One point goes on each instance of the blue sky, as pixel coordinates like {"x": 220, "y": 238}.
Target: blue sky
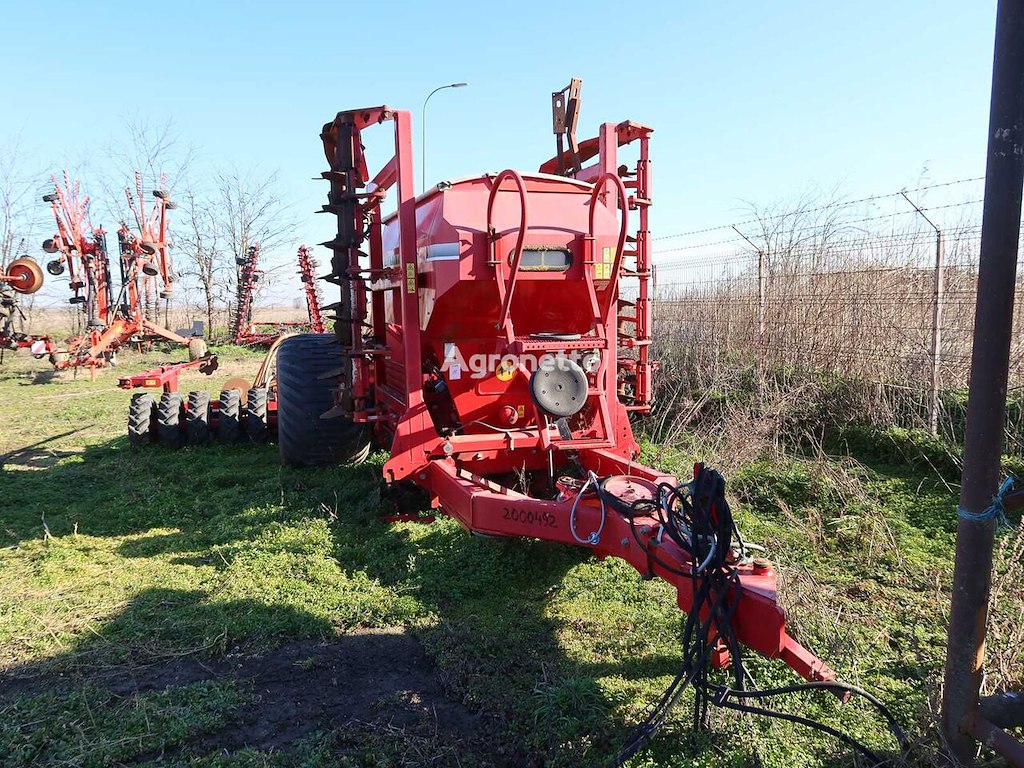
{"x": 749, "y": 101}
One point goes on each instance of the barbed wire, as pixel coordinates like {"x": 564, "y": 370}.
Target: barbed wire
{"x": 830, "y": 206}
{"x": 814, "y": 227}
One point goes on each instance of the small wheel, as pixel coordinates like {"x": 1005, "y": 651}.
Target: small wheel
{"x": 197, "y": 418}
{"x": 140, "y": 419}
{"x": 256, "y": 425}
{"x": 25, "y": 275}
{"x": 168, "y": 420}
{"x": 229, "y": 417}
{"x": 197, "y": 348}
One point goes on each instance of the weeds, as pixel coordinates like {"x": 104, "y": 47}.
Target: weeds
{"x": 201, "y": 559}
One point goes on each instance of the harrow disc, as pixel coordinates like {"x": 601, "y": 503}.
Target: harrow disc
{"x": 25, "y": 275}
{"x": 561, "y": 389}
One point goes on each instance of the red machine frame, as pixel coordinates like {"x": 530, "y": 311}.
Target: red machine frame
{"x": 144, "y": 256}
{"x": 385, "y": 371}
{"x": 249, "y": 333}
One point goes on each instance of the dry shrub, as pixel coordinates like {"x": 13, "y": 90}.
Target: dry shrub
{"x": 1004, "y": 664}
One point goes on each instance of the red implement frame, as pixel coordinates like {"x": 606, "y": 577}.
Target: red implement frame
{"x": 144, "y": 258}
{"x": 81, "y": 250}
{"x": 389, "y": 355}
{"x": 21, "y": 276}
{"x": 165, "y": 377}
{"x": 249, "y": 333}
{"x": 307, "y": 273}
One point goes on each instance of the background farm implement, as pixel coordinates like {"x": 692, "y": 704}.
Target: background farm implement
{"x": 242, "y": 411}
{"x": 247, "y": 332}
{"x": 129, "y": 317}
{"x": 21, "y": 277}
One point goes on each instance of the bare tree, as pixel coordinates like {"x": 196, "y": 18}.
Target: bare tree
{"x": 251, "y": 211}
{"x": 200, "y": 244}
{"x": 156, "y": 151}
{"x": 17, "y": 219}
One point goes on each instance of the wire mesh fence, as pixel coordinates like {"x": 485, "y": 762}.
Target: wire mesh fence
{"x": 887, "y": 299}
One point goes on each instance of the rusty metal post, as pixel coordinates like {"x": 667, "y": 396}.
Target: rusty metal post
{"x": 972, "y": 576}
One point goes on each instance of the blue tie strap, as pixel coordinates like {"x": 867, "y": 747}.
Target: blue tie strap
{"x": 994, "y": 511}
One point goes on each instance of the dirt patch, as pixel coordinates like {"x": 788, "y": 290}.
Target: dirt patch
{"x": 301, "y": 688}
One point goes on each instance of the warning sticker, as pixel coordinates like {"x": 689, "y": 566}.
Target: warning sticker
{"x": 603, "y": 268}
{"x": 410, "y": 278}
{"x": 505, "y": 371}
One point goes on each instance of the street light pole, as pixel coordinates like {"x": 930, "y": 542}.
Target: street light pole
{"x": 423, "y": 128}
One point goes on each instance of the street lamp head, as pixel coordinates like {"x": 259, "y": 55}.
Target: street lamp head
{"x": 423, "y": 125}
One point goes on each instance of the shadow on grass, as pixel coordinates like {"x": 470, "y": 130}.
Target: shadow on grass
{"x": 316, "y": 566}
{"x": 36, "y": 455}
{"x": 208, "y": 702}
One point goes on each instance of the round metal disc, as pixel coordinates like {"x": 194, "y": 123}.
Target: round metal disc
{"x": 622, "y": 491}
{"x": 559, "y": 389}
{"x": 242, "y": 385}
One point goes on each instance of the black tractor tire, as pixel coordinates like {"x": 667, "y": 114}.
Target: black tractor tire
{"x": 197, "y": 418}
{"x": 304, "y": 439}
{"x": 197, "y": 348}
{"x": 229, "y": 417}
{"x": 257, "y": 427}
{"x": 168, "y": 421}
{"x": 140, "y": 419}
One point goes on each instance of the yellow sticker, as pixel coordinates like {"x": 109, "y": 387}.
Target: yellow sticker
{"x": 410, "y": 278}
{"x": 603, "y": 269}
{"x": 505, "y": 371}
{"x": 521, "y": 411}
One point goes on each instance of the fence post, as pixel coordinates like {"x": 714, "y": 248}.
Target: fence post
{"x": 761, "y": 286}
{"x": 936, "y": 343}
{"x": 986, "y": 404}
{"x": 937, "y": 298}
{"x": 762, "y": 278}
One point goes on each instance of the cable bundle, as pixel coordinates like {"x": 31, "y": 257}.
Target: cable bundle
{"x": 697, "y": 518}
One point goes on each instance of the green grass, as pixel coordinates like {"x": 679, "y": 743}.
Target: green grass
{"x": 205, "y": 555}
